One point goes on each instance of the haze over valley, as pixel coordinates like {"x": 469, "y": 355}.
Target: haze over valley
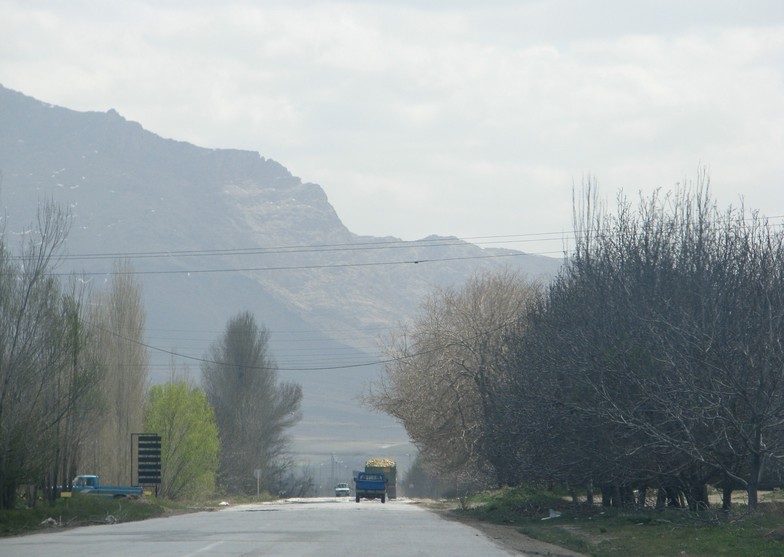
{"x": 212, "y": 232}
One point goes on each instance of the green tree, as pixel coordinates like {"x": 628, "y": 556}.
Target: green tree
{"x": 181, "y": 415}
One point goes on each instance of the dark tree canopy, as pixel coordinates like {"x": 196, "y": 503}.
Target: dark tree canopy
{"x": 653, "y": 363}
{"x": 661, "y": 343}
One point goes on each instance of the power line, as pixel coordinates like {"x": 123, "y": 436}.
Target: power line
{"x": 377, "y": 245}
{"x": 375, "y": 362}
{"x": 209, "y": 361}
{"x": 361, "y": 245}
{"x": 320, "y": 248}
{"x": 297, "y": 267}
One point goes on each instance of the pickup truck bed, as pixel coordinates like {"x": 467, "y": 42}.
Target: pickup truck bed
{"x": 90, "y": 484}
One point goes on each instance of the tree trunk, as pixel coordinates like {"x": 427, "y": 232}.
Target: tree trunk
{"x": 8, "y": 496}
{"x": 589, "y": 494}
{"x": 661, "y": 499}
{"x": 642, "y": 497}
{"x": 606, "y": 496}
{"x": 726, "y": 495}
{"x": 753, "y": 487}
{"x": 697, "y": 497}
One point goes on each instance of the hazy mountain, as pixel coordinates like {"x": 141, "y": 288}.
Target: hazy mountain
{"x": 212, "y": 232}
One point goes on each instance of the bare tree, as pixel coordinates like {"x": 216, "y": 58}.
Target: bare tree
{"x": 444, "y": 382}
{"x": 661, "y": 338}
{"x": 117, "y": 323}
{"x": 253, "y": 409}
{"x": 72, "y": 391}
{"x": 42, "y": 383}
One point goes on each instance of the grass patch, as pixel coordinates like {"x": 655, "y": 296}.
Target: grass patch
{"x": 602, "y": 532}
{"x": 83, "y": 510}
{"x": 79, "y": 510}
{"x": 508, "y": 505}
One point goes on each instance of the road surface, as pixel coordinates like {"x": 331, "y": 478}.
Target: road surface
{"x": 294, "y": 528}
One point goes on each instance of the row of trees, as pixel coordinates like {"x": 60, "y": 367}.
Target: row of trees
{"x": 216, "y": 436}
{"x": 74, "y": 386}
{"x": 51, "y": 369}
{"x": 654, "y": 361}
{"x": 445, "y": 374}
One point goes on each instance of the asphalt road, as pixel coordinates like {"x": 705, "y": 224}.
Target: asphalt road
{"x": 295, "y": 528}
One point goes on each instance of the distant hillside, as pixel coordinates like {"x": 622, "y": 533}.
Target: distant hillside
{"x": 212, "y": 232}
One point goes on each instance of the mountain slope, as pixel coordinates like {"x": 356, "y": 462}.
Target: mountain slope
{"x": 218, "y": 231}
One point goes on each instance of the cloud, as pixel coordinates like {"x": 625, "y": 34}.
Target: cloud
{"x": 471, "y": 119}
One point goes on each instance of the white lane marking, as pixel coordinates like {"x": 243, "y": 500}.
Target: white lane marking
{"x": 203, "y": 549}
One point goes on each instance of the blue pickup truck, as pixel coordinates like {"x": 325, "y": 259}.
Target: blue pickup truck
{"x": 92, "y": 485}
{"x": 370, "y": 486}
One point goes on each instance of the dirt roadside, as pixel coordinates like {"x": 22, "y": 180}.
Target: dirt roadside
{"x": 506, "y": 536}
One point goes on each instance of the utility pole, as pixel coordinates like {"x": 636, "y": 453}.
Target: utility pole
{"x": 257, "y": 475}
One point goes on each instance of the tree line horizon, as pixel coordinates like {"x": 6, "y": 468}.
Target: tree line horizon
{"x": 69, "y": 405}
{"x": 650, "y": 369}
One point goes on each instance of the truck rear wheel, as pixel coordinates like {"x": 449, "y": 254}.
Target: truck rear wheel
{"x": 383, "y": 497}
{"x": 357, "y": 498}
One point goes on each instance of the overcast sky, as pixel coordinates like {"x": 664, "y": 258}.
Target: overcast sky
{"x": 465, "y": 118}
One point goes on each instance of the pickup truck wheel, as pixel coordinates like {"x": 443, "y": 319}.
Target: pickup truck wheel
{"x": 384, "y": 498}
{"x": 357, "y": 498}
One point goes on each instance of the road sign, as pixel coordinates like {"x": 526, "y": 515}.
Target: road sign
{"x": 148, "y": 458}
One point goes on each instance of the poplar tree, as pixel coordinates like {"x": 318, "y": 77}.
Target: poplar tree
{"x": 117, "y": 323}
{"x": 253, "y": 409}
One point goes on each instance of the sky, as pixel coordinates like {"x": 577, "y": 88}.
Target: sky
{"x": 459, "y": 118}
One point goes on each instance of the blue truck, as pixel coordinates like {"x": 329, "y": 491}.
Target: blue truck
{"x": 380, "y": 465}
{"x": 370, "y": 486}
{"x": 92, "y": 485}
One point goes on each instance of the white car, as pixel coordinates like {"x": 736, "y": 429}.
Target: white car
{"x": 342, "y": 490}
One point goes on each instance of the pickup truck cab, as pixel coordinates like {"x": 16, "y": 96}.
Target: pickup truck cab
{"x": 370, "y": 486}
{"x": 91, "y": 484}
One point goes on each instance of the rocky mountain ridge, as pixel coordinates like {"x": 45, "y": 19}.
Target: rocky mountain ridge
{"x": 212, "y": 232}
